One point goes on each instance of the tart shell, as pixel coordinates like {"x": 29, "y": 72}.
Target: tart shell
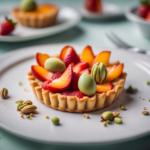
{"x": 73, "y": 103}
{"x": 36, "y": 20}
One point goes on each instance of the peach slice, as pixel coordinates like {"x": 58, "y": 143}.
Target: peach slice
{"x": 87, "y": 55}
{"x": 104, "y": 87}
{"x": 63, "y": 52}
{"x": 41, "y": 58}
{"x": 109, "y": 68}
{"x": 87, "y": 70}
{"x": 102, "y": 57}
{"x": 115, "y": 72}
{"x": 61, "y": 83}
{"x": 41, "y": 73}
{"x": 80, "y": 66}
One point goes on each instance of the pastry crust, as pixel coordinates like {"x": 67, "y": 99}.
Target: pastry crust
{"x": 73, "y": 103}
{"x": 44, "y": 16}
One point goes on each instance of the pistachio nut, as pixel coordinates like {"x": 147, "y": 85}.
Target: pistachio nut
{"x": 27, "y": 5}
{"x": 99, "y": 73}
{"x": 86, "y": 84}
{"x": 145, "y": 112}
{"x": 28, "y": 102}
{"x": 54, "y": 65}
{"x": 116, "y": 114}
{"x": 19, "y": 102}
{"x": 107, "y": 115}
{"x": 20, "y": 106}
{"x": 4, "y": 93}
{"x": 108, "y": 122}
{"x": 118, "y": 120}
{"x": 55, "y": 120}
{"x": 122, "y": 107}
{"x": 28, "y": 109}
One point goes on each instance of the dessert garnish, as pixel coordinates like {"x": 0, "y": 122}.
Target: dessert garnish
{"x": 149, "y": 100}
{"x": 122, "y": 107}
{"x": 145, "y": 112}
{"x": 118, "y": 120}
{"x": 99, "y": 72}
{"x": 116, "y": 114}
{"x": 28, "y": 5}
{"x": 87, "y": 85}
{"x": 55, "y": 121}
{"x": 107, "y": 115}
{"x": 7, "y": 26}
{"x": 4, "y": 93}
{"x": 54, "y": 65}
{"x": 86, "y": 116}
{"x": 148, "y": 82}
{"x": 131, "y": 90}
{"x": 77, "y": 82}
{"x": 20, "y": 83}
{"x": 47, "y": 117}
{"x": 93, "y": 5}
{"x": 144, "y": 108}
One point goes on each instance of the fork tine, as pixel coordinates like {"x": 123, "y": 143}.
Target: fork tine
{"x": 121, "y": 42}
{"x": 114, "y": 41}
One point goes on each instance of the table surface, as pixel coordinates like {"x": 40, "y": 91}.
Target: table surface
{"x": 85, "y": 33}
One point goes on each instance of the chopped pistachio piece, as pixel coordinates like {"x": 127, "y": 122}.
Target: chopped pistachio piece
{"x": 47, "y": 117}
{"x": 131, "y": 90}
{"x": 148, "y": 82}
{"x": 19, "y": 83}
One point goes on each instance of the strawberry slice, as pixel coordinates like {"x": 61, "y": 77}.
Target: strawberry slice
{"x": 87, "y": 70}
{"x": 74, "y": 82}
{"x": 61, "y": 83}
{"x": 56, "y": 76}
{"x": 74, "y": 93}
{"x": 68, "y": 55}
{"x": 41, "y": 73}
{"x": 7, "y": 26}
{"x": 80, "y": 66}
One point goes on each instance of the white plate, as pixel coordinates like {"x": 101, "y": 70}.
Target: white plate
{"x": 74, "y": 127}
{"x": 109, "y": 11}
{"x": 67, "y": 18}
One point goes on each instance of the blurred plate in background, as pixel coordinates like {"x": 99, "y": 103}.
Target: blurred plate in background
{"x": 67, "y": 18}
{"x": 109, "y": 11}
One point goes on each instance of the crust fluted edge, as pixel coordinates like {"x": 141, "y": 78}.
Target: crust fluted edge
{"x": 73, "y": 103}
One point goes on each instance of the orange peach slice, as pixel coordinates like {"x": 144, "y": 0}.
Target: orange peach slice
{"x": 41, "y": 58}
{"x": 87, "y": 55}
{"x": 104, "y": 87}
{"x": 115, "y": 72}
{"x": 61, "y": 83}
{"x": 102, "y": 57}
{"x": 41, "y": 73}
{"x": 63, "y": 52}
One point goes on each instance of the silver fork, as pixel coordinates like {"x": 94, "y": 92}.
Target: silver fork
{"x": 119, "y": 43}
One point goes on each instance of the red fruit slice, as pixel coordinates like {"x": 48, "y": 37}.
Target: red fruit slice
{"x": 115, "y": 72}
{"x": 104, "y": 87}
{"x": 148, "y": 16}
{"x": 87, "y": 55}
{"x": 143, "y": 10}
{"x": 85, "y": 71}
{"x": 61, "y": 83}
{"x": 93, "y": 5}
{"x": 102, "y": 57}
{"x": 41, "y": 73}
{"x": 65, "y": 93}
{"x": 41, "y": 58}
{"x": 80, "y": 66}
{"x": 68, "y": 56}
{"x": 74, "y": 82}
{"x": 77, "y": 93}
{"x": 56, "y": 76}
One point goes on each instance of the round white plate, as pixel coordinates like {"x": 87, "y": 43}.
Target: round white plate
{"x": 74, "y": 127}
{"x": 109, "y": 11}
{"x": 67, "y": 18}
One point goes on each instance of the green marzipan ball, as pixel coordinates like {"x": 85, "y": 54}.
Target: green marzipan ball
{"x": 28, "y": 5}
{"x": 54, "y": 65}
{"x": 86, "y": 84}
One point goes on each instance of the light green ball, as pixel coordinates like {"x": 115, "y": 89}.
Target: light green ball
{"x": 107, "y": 115}
{"x": 86, "y": 84}
{"x": 55, "y": 120}
{"x": 54, "y": 65}
{"x": 28, "y": 5}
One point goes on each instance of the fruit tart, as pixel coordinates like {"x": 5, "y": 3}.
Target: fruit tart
{"x": 32, "y": 15}
{"x": 77, "y": 82}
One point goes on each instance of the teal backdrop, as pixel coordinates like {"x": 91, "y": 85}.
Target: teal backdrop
{"x": 86, "y": 32}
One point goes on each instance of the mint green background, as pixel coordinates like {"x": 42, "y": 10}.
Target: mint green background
{"x": 86, "y": 32}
